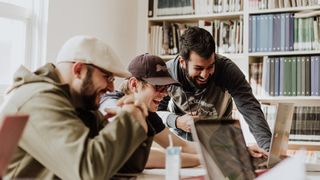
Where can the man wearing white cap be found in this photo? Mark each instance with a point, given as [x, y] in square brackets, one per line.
[62, 101]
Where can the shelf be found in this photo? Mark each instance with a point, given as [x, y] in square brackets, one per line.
[278, 10]
[231, 56]
[311, 146]
[168, 57]
[282, 53]
[190, 18]
[297, 100]
[284, 98]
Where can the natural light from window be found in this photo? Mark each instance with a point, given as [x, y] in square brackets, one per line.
[12, 45]
[23, 31]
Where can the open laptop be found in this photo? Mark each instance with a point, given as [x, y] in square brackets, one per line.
[11, 128]
[224, 150]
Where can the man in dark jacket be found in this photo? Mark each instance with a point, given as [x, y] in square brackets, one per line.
[209, 82]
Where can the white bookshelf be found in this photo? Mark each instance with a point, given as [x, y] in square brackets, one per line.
[280, 10]
[243, 59]
[282, 53]
[187, 18]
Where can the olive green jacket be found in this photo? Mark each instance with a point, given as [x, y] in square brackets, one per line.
[56, 143]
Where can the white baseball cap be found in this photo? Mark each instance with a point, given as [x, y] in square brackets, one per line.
[90, 50]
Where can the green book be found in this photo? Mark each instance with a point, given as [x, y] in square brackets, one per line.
[286, 76]
[299, 86]
[294, 76]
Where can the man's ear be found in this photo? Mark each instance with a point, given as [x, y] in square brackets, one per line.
[182, 62]
[78, 69]
[133, 84]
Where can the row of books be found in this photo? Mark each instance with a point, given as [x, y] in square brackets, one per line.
[272, 4]
[305, 122]
[198, 7]
[164, 40]
[218, 6]
[228, 34]
[286, 76]
[283, 32]
[169, 7]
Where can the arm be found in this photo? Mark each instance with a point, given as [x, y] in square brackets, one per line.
[167, 117]
[55, 135]
[157, 159]
[162, 139]
[247, 104]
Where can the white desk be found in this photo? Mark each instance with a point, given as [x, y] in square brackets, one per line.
[157, 174]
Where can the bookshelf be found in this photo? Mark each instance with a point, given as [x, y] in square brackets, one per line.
[245, 58]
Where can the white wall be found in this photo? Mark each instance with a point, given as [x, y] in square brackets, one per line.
[120, 23]
[142, 33]
[113, 21]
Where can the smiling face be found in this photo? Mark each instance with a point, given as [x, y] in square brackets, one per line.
[198, 69]
[150, 94]
[95, 84]
[157, 95]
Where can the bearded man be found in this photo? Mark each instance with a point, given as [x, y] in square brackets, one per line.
[209, 84]
[60, 140]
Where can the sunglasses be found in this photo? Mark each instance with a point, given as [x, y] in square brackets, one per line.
[108, 76]
[160, 88]
[157, 88]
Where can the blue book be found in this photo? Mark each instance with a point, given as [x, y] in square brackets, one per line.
[264, 33]
[270, 32]
[291, 31]
[282, 31]
[276, 37]
[258, 33]
[287, 30]
[250, 34]
[254, 34]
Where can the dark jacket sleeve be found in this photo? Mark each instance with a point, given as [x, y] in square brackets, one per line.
[241, 92]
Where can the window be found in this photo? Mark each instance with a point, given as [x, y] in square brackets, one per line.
[22, 38]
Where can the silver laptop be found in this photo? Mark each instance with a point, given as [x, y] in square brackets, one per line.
[224, 151]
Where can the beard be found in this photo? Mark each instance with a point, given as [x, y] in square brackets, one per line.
[193, 78]
[87, 92]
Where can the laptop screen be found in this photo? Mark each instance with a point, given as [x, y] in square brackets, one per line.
[11, 128]
[223, 149]
[280, 136]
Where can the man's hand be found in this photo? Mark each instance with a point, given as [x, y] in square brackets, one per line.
[184, 122]
[136, 108]
[257, 152]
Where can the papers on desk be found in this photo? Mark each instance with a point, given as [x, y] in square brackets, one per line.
[292, 168]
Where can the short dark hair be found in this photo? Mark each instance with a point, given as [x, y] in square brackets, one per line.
[198, 40]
